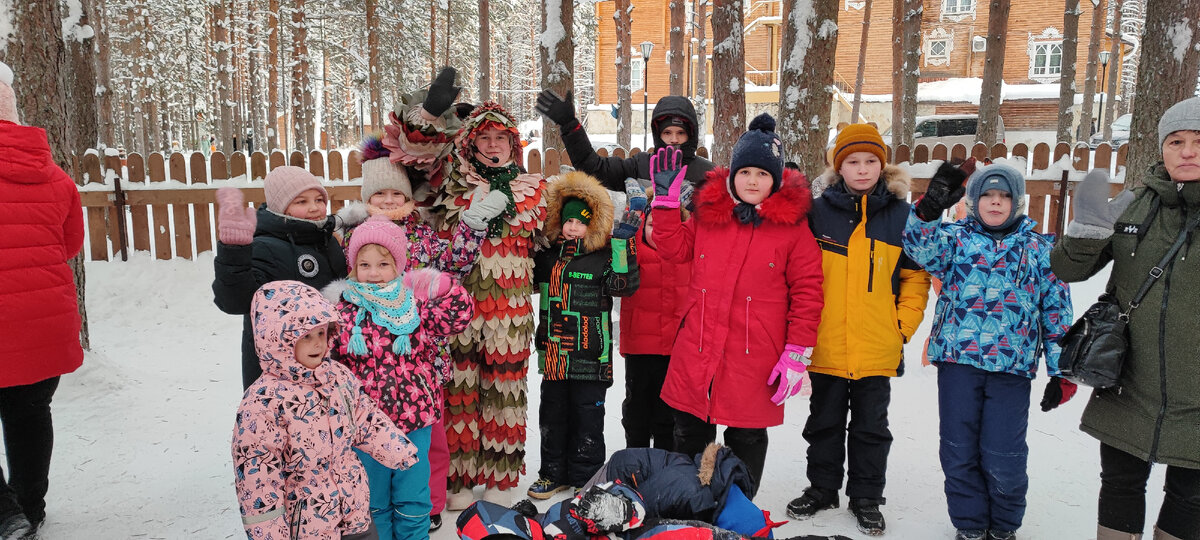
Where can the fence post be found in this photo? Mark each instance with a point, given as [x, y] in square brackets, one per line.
[113, 163]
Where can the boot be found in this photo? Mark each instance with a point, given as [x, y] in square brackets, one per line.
[812, 501]
[1001, 535]
[459, 500]
[970, 534]
[15, 527]
[1160, 535]
[1105, 533]
[866, 513]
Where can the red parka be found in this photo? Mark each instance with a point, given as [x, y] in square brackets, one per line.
[650, 318]
[41, 228]
[753, 290]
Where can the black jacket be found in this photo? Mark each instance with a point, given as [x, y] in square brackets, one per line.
[676, 486]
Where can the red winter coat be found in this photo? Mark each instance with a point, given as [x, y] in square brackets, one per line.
[650, 318]
[753, 290]
[41, 228]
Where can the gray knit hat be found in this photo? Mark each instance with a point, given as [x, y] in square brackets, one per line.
[1184, 115]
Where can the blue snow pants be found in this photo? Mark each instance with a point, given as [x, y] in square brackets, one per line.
[984, 416]
[400, 503]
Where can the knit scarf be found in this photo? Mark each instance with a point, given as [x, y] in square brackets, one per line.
[391, 306]
[499, 178]
[747, 214]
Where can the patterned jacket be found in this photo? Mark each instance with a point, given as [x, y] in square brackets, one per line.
[1000, 307]
[296, 476]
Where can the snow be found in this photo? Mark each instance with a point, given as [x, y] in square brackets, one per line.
[71, 30]
[7, 23]
[1180, 35]
[143, 428]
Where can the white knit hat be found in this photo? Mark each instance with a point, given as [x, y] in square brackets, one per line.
[8, 99]
[379, 174]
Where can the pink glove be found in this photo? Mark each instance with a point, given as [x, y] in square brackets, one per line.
[235, 220]
[789, 370]
[427, 283]
[668, 172]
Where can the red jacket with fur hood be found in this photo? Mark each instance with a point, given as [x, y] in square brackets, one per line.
[753, 290]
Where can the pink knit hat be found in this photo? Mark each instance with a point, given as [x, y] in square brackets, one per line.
[8, 100]
[378, 230]
[285, 183]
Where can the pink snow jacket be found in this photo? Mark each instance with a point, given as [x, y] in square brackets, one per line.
[296, 476]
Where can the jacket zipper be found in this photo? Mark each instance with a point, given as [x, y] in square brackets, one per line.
[1162, 361]
[703, 293]
[871, 268]
[747, 326]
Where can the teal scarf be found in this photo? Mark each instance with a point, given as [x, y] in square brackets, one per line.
[391, 306]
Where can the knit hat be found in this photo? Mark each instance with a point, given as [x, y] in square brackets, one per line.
[999, 177]
[666, 121]
[8, 99]
[759, 147]
[1184, 115]
[378, 230]
[285, 183]
[378, 171]
[858, 138]
[576, 208]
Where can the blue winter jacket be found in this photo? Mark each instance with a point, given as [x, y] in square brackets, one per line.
[1000, 305]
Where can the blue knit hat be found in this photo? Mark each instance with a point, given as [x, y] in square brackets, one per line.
[1000, 177]
[759, 147]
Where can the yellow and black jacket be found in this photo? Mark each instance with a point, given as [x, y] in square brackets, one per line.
[874, 294]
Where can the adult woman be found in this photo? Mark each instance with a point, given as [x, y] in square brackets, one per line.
[1153, 416]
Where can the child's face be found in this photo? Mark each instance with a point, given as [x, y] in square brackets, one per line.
[311, 349]
[994, 207]
[1181, 155]
[752, 184]
[388, 199]
[674, 136]
[573, 229]
[308, 205]
[860, 170]
[374, 267]
[493, 143]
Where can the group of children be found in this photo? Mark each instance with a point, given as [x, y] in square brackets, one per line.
[415, 361]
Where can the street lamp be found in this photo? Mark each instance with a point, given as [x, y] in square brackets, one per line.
[647, 46]
[1103, 76]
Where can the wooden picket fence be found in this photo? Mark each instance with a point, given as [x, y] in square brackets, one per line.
[164, 204]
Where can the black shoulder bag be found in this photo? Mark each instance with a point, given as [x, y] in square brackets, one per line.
[1094, 349]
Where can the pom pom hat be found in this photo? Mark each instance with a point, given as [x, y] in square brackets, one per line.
[379, 173]
[858, 138]
[284, 183]
[759, 147]
[379, 230]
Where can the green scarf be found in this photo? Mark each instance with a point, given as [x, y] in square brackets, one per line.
[391, 306]
[499, 178]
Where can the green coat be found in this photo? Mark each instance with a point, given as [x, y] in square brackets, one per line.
[1155, 415]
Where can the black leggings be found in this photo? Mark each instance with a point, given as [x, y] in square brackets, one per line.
[1123, 496]
[692, 435]
[29, 439]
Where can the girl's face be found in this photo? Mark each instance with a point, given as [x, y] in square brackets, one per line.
[860, 171]
[573, 229]
[310, 205]
[311, 349]
[375, 265]
[674, 136]
[388, 199]
[648, 230]
[493, 143]
[752, 185]
[1181, 155]
[995, 206]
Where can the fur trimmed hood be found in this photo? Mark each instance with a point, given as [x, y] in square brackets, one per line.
[898, 181]
[788, 206]
[588, 189]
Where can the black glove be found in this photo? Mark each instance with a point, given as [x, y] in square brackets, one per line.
[558, 110]
[442, 93]
[1058, 391]
[945, 189]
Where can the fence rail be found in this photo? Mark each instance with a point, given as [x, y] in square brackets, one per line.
[162, 204]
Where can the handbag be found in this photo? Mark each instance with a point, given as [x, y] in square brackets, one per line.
[1095, 347]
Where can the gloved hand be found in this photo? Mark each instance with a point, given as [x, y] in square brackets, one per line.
[427, 283]
[1094, 213]
[789, 370]
[553, 106]
[632, 220]
[945, 189]
[235, 221]
[442, 93]
[668, 172]
[482, 210]
[1058, 391]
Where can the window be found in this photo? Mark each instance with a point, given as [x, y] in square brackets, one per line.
[958, 7]
[957, 126]
[927, 128]
[1047, 59]
[635, 70]
[937, 47]
[855, 4]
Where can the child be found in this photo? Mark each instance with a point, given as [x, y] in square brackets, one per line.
[388, 320]
[290, 237]
[754, 300]
[295, 474]
[874, 300]
[999, 309]
[577, 277]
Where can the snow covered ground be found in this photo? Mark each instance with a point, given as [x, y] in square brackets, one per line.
[143, 428]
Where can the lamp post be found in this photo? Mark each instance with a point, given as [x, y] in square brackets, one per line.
[1103, 78]
[647, 46]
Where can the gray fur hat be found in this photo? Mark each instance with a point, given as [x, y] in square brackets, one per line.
[1184, 115]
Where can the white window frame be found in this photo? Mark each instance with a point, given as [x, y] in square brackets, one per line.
[852, 5]
[636, 66]
[959, 12]
[938, 35]
[1044, 44]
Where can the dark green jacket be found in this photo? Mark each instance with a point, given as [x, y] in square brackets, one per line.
[1155, 415]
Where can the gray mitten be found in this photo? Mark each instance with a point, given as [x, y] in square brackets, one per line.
[1094, 213]
[483, 210]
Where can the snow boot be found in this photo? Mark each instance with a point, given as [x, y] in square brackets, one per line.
[1002, 535]
[1105, 533]
[15, 527]
[1160, 535]
[866, 513]
[813, 500]
[545, 488]
[435, 522]
[970, 534]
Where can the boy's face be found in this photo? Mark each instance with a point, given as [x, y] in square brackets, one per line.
[752, 184]
[311, 349]
[674, 136]
[388, 199]
[995, 206]
[860, 171]
[1181, 155]
[493, 143]
[573, 229]
[308, 205]
[374, 267]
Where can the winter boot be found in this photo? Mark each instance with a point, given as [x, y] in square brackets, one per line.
[1105, 533]
[812, 501]
[866, 513]
[545, 488]
[1002, 535]
[970, 534]
[435, 522]
[1160, 535]
[14, 527]
[459, 500]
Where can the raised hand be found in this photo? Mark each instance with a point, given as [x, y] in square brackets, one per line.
[1091, 206]
[553, 106]
[628, 226]
[945, 189]
[668, 172]
[235, 221]
[442, 92]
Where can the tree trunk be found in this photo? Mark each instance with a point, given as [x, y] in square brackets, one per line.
[862, 61]
[993, 71]
[485, 52]
[302, 103]
[806, 75]
[104, 85]
[729, 78]
[1114, 58]
[374, 85]
[557, 51]
[1089, 77]
[1169, 65]
[273, 29]
[623, 21]
[1066, 87]
[675, 55]
[911, 67]
[702, 70]
[433, 67]
[221, 44]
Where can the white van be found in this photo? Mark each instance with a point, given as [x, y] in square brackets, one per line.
[947, 129]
